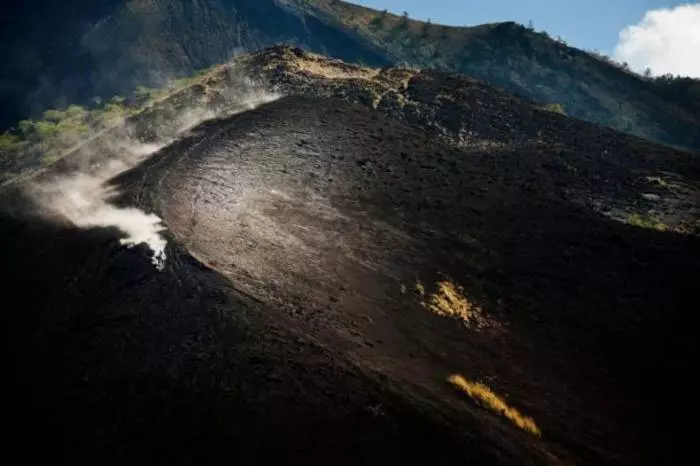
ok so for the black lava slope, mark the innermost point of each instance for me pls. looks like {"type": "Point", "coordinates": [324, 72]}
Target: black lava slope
{"type": "Point", "coordinates": [293, 322]}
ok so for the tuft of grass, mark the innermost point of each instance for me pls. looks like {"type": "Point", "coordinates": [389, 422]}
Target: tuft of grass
{"type": "Point", "coordinates": [485, 397]}
{"type": "Point", "coordinates": [420, 289]}
{"type": "Point", "coordinates": [648, 221]}
{"type": "Point", "coordinates": [658, 181]}
{"type": "Point", "coordinates": [449, 301]}
{"type": "Point", "coordinates": [555, 108]}
{"type": "Point", "coordinates": [334, 69]}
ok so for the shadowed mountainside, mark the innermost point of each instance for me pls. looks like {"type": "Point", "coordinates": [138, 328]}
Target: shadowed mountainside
{"type": "Point", "coordinates": [57, 53]}
{"type": "Point", "coordinates": [303, 314]}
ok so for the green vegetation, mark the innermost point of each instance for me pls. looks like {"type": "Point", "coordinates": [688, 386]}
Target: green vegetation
{"type": "Point", "coordinates": [426, 28]}
{"type": "Point", "coordinates": [646, 221]}
{"type": "Point", "coordinates": [556, 108]}
{"type": "Point", "coordinates": [10, 142]}
{"type": "Point", "coordinates": [683, 90]}
{"type": "Point", "coordinates": [376, 23]}
{"type": "Point", "coordinates": [420, 289]}
{"type": "Point", "coordinates": [58, 131]}
{"type": "Point", "coordinates": [657, 181]}
{"type": "Point", "coordinates": [44, 140]}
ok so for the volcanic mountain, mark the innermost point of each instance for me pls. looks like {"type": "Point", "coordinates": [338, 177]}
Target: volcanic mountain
{"type": "Point", "coordinates": [359, 266]}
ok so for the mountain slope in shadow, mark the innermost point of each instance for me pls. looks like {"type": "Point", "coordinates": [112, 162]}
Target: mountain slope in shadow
{"type": "Point", "coordinates": [75, 51]}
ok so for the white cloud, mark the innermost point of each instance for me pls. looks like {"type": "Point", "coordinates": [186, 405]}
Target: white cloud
{"type": "Point", "coordinates": [667, 40]}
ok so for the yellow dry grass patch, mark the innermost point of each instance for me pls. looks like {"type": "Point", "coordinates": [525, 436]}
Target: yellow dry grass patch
{"type": "Point", "coordinates": [332, 69]}
{"type": "Point", "coordinates": [485, 397]}
{"type": "Point", "coordinates": [449, 301]}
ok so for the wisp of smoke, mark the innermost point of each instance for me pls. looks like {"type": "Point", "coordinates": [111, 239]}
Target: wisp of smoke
{"type": "Point", "coordinates": [84, 197]}
{"type": "Point", "coordinates": [84, 200]}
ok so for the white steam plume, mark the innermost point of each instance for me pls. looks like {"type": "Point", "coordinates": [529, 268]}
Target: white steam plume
{"type": "Point", "coordinates": [84, 197]}
{"type": "Point", "coordinates": [84, 200]}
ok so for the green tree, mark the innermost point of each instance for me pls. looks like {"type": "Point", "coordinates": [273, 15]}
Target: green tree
{"type": "Point", "coordinates": [26, 128]}
{"type": "Point", "coordinates": [76, 111]}
{"type": "Point", "coordinates": [46, 130]}
{"type": "Point", "coordinates": [404, 20]}
{"type": "Point", "coordinates": [377, 22]}
{"type": "Point", "coordinates": [9, 142]}
{"type": "Point", "coordinates": [143, 94]}
{"type": "Point", "coordinates": [426, 28]}
{"type": "Point", "coordinates": [117, 100]}
{"type": "Point", "coordinates": [54, 115]}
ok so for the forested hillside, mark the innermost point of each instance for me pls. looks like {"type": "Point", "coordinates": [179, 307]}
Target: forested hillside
{"type": "Point", "coordinates": [79, 52]}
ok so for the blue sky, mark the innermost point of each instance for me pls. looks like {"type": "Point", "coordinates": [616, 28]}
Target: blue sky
{"type": "Point", "coordinates": [588, 24]}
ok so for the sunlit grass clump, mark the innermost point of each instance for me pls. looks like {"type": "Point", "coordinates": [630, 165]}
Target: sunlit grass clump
{"type": "Point", "coordinates": [483, 396]}
{"type": "Point", "coordinates": [449, 301]}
